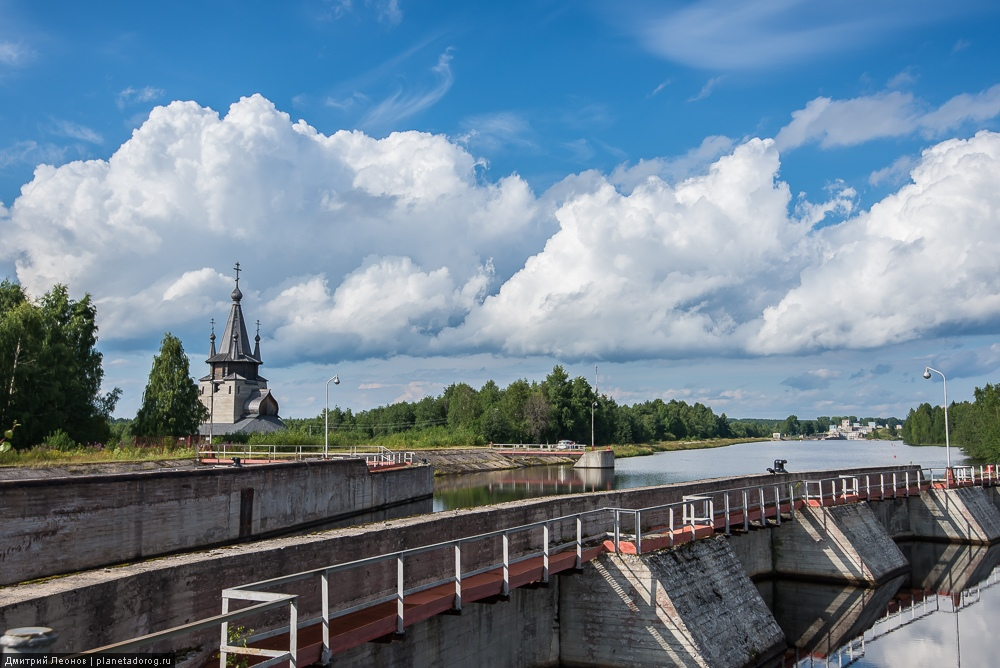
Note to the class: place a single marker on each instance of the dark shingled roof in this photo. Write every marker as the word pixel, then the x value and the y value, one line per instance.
pixel 234 344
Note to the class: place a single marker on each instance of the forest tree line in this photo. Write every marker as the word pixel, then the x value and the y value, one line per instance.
pixel 538 412
pixel 972 426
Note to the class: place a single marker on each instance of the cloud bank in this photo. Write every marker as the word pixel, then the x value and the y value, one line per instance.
pixel 357 247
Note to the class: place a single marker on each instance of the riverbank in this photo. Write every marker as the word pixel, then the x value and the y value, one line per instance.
pixel 622 451
pixel 446 461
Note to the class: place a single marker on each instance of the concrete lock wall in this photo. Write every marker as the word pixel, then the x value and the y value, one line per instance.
pixel 141 598
pixel 838 543
pixel 688 606
pixel 64 525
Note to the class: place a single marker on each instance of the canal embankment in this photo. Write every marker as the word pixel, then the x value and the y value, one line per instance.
pixel 58 525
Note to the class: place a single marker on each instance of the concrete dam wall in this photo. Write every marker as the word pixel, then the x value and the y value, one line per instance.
pixel 63 525
pixel 140 598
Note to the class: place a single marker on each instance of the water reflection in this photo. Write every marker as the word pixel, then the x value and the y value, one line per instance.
pixel 480 489
pixel 475 489
pixel 915 620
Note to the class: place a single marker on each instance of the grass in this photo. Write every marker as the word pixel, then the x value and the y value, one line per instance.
pixel 431 439
pixel 631 450
pixel 42 456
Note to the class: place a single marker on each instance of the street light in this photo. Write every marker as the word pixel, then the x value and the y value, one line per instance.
pixel 593 408
pixel 211 420
pixel 947 443
pixel 326 436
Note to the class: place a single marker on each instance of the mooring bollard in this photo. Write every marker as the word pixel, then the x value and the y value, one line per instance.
pixel 27 640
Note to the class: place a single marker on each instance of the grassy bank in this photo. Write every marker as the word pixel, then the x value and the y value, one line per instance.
pixel 631 450
pixel 41 456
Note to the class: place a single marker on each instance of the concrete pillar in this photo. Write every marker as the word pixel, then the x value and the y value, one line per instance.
pixel 28 640
pixel 689 606
pixel 964 514
pixel 596 459
pixel 836 544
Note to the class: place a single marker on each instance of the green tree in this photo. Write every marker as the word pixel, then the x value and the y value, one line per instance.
pixel 791 427
pixel 50 369
pixel 170 404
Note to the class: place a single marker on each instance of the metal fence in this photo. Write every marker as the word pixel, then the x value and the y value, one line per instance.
pixel 381 456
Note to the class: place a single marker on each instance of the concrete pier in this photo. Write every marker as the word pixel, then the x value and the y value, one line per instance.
pixel 836 544
pixel 687 606
pixel 596 459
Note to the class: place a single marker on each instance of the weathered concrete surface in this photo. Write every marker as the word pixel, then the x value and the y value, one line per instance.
pixel 93 468
pixel 965 514
pixel 519 633
pixel 836 544
pixel 596 459
pixel 103 606
pixel 686 606
pixel 63 525
pixel 755 551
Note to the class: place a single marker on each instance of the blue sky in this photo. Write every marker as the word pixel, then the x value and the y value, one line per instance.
pixel 771 208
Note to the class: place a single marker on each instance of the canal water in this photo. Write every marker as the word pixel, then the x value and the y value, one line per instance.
pixel 907 622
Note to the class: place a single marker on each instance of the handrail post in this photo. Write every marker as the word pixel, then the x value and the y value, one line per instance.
pixel 638 532
pixel 545 552
pixel 907 483
pixel 293 632
pixel 763 510
pixel 325 654
pixel 506 564
pixel 777 504
pixel 746 511
pixel 727 512
pixel 399 594
pixel 895 485
pixel 881 487
pixel 617 530
pixel 791 502
pixel 671 526
pixel 458 577
pixel 579 542
pixel 224 640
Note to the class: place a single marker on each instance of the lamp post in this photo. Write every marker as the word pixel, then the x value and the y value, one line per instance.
pixel 211 418
pixel 326 436
pixel 593 408
pixel 947 443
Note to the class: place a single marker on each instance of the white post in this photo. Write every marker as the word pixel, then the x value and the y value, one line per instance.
pixel 326 435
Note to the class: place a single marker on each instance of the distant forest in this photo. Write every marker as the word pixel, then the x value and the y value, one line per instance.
pixel 972 426
pixel 545 412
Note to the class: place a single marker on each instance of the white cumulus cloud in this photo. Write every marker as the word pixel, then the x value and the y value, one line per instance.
pixel 356 247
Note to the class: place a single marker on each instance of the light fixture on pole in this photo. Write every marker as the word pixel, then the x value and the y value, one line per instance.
pixel 947 442
pixel 211 419
pixel 326 436
pixel 593 408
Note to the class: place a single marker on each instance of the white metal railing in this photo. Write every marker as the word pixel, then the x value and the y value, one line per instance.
pixel 273 453
pixel 544 447
pixel 965 475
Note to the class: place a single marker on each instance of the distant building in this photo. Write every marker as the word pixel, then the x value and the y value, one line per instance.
pixel 242 402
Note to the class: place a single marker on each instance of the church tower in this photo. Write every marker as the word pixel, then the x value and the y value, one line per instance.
pixel 242 403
